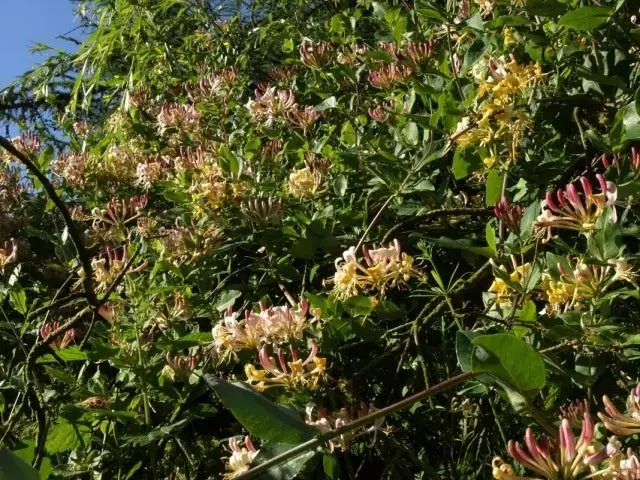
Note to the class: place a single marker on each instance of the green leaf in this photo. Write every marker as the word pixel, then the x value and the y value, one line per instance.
pixel 347 134
pixel 13 468
pixel 229 162
pixel 26 451
pixel 585 18
pixel 45 158
pixel 360 305
pixel 490 235
pixel 18 300
pixel 327 104
pixel 427 10
pixel 260 416
pixel 506 21
pixel 545 8
pixel 287 470
pixel 69 354
pixel 465 162
pixel 464 348
pixel 226 299
pixel 411 133
pixel 340 185
pixel 510 359
pixel 528 312
pixel 65 436
pixel 493 188
pixel 331 467
pixel 154 435
pixel 626 125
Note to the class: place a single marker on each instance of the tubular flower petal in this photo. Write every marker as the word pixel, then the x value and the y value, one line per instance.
pixel 326 421
pixel 576 209
pixel 619 423
pixel 382 268
pixel 288 374
pixel 241 457
pixel 271 325
pixel 568 459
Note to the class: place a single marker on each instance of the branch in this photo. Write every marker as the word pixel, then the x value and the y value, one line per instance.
pixel 433 214
pixel 321 439
pixel 76 237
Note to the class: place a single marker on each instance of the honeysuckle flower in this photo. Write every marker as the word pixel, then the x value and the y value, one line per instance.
pixel 296 373
pixel 505 294
pixel 241 457
pixel 378 114
pixel 583 282
pixel 106 270
pixel 304 182
pixel 326 421
pixel 303 117
pixel 578 210
pixel 8 253
pixel 389 75
pixel 382 268
pixel 179 367
pixel 272 104
pixel 619 423
pixel 623 270
pixel 416 54
pixel 95 402
pixel 213 84
pixel 271 149
pixel 316 55
pixel 565 460
pixel 61 341
pixel 149 173
pixel 118 213
pixel 180 116
pixel 71 167
pixel 269 210
pixel 81 127
pixel 509 214
pixel 352 54
pixel 27 142
pixel 276 325
pixel 106 312
pixel 186 244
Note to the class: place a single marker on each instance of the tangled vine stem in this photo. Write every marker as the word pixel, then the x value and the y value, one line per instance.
pixel 434 214
pixel 360 422
pixel 76 237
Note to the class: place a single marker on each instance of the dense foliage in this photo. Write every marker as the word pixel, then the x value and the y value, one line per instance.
pixel 237 231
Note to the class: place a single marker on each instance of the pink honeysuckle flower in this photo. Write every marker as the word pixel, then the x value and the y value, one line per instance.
pixel 579 210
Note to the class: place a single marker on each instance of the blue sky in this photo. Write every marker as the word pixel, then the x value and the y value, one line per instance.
pixel 24 22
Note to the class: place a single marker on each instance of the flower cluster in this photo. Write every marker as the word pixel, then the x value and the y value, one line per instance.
pixel 579 210
pixel 8 253
pixel 291 374
pixel 106 270
pixel 326 421
pixel 316 55
pixel 182 117
pixel 61 341
pixel 584 457
pixel 499 119
pixel 270 325
pixel 304 182
pixel 507 286
pixel 241 457
pixel 382 268
pixel 178 368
